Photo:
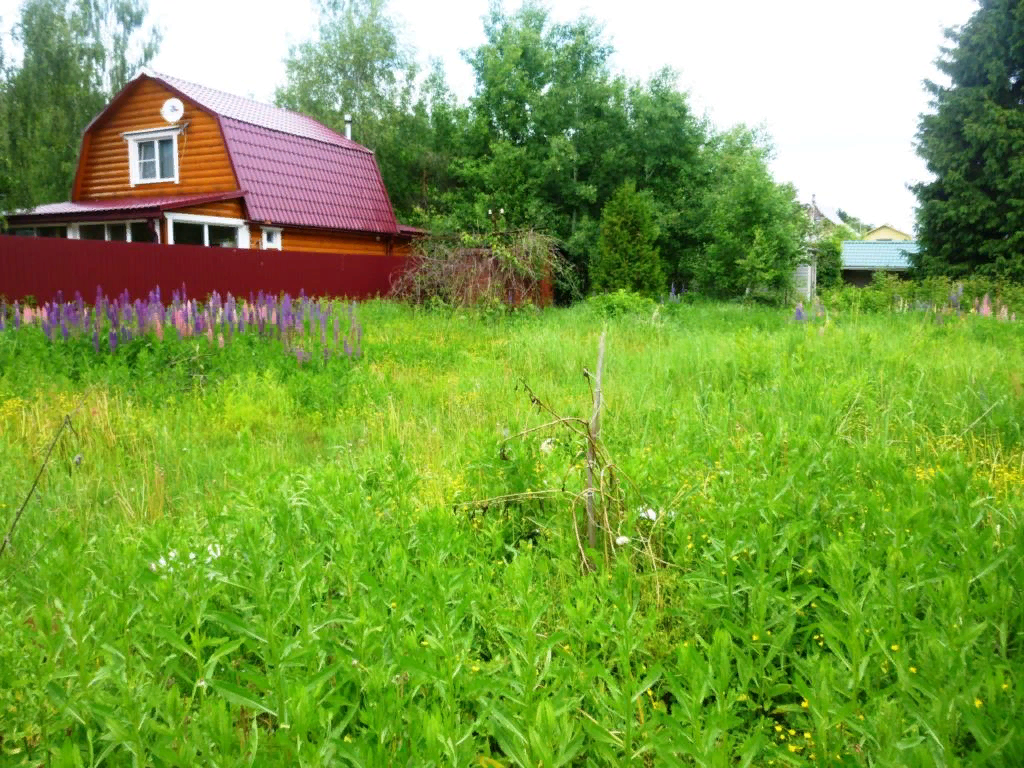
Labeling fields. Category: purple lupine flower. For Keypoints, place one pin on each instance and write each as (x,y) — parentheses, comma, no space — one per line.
(337,330)
(96,339)
(17,316)
(326,355)
(47,328)
(64,331)
(799,315)
(348,348)
(112,338)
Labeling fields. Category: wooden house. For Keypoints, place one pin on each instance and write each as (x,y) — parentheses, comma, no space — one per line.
(887,233)
(169,161)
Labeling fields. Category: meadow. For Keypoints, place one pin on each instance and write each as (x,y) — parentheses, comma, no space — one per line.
(261,553)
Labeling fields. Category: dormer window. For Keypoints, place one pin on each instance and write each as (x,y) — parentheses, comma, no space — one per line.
(153,156)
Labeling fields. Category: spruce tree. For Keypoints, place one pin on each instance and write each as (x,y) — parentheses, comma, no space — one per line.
(971,217)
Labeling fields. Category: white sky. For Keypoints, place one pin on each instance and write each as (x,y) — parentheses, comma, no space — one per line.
(838,85)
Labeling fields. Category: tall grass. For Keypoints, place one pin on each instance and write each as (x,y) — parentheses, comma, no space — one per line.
(838,538)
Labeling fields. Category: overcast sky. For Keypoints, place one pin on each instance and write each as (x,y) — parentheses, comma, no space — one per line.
(838,85)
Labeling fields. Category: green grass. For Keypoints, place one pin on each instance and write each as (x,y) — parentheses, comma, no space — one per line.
(839,533)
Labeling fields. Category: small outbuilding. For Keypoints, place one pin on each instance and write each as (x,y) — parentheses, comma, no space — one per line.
(862,258)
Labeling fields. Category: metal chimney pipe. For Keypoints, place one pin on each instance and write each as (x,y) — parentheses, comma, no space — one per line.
(348,127)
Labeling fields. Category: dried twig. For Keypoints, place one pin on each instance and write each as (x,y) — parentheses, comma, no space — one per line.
(65,424)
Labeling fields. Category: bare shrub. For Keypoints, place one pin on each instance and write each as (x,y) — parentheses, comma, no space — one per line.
(509,267)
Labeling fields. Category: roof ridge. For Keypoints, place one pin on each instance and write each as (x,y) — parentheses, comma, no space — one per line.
(164,76)
(242,109)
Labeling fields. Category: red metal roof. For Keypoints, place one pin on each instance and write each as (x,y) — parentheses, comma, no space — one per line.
(293,169)
(122,205)
(256,113)
(303,182)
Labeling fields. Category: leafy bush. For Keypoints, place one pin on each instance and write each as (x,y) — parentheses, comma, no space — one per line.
(888,292)
(621,302)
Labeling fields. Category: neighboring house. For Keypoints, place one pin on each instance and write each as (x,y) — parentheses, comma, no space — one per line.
(170,161)
(824,221)
(887,232)
(861,259)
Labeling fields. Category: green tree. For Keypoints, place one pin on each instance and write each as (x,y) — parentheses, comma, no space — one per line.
(356,65)
(627,257)
(75,56)
(971,216)
(828,252)
(359,65)
(756,227)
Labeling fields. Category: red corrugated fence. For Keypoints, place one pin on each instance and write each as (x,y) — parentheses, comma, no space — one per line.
(40,267)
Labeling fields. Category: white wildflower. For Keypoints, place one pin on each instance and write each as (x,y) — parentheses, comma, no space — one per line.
(548,445)
(192,556)
(152,567)
(172,554)
(162,562)
(648,514)
(622,541)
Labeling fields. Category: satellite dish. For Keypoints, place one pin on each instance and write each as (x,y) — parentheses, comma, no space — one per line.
(172,110)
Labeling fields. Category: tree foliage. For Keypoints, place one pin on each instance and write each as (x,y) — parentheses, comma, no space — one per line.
(971,216)
(358,65)
(75,56)
(756,227)
(627,257)
(548,141)
(828,251)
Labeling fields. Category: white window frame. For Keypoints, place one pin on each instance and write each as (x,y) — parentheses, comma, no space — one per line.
(36,227)
(265,244)
(134,138)
(240,225)
(74,233)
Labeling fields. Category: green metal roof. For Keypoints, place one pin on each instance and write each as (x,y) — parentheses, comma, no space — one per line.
(878,254)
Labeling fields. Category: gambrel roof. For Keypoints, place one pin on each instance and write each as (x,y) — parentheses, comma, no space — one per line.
(291,169)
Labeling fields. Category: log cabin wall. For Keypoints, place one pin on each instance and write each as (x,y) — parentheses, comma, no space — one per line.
(229,209)
(203,162)
(326,241)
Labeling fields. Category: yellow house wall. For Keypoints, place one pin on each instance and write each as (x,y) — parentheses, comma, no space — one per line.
(887,233)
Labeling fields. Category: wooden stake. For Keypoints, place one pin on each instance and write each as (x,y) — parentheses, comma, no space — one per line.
(595,433)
